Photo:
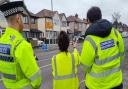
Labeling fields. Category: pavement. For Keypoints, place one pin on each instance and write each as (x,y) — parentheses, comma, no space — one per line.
(45,65)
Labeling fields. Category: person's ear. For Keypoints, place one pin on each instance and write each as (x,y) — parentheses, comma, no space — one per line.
(17,18)
(88,21)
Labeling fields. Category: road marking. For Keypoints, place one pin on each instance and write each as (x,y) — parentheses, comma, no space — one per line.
(43,60)
(45,66)
(47,59)
(82,81)
(0,79)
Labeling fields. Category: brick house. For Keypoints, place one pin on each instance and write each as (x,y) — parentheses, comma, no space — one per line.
(76,26)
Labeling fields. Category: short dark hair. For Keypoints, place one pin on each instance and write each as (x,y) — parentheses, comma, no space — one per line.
(94,14)
(63,41)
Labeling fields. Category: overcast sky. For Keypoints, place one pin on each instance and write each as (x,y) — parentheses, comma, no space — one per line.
(70,7)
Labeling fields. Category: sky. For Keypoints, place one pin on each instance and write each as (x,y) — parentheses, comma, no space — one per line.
(71,7)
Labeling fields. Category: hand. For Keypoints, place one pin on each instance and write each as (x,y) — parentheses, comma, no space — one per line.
(74,44)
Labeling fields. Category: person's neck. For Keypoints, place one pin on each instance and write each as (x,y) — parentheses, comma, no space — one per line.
(14,27)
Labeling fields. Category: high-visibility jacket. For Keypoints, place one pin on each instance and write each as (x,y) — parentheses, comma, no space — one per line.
(64,70)
(100,59)
(17,62)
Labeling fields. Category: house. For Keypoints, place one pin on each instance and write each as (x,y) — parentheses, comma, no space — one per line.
(124,27)
(76,26)
(30,26)
(63,20)
(3,23)
(34,32)
(86,26)
(30,29)
(56,25)
(120,26)
(49,24)
(26,30)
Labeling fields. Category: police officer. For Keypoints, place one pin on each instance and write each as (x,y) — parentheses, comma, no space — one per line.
(17,62)
(64,65)
(102,52)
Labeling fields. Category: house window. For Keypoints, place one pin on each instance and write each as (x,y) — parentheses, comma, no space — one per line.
(64,24)
(56,22)
(25,19)
(80,25)
(33,21)
(68,24)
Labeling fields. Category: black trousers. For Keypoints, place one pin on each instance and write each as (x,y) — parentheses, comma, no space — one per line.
(118,87)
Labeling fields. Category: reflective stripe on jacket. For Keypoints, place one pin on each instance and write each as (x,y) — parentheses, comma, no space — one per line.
(100,59)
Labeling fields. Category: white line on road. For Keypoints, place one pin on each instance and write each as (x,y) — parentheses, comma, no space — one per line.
(0,79)
(43,60)
(45,66)
(82,81)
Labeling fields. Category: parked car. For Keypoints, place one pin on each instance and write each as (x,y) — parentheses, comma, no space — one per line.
(124,34)
(35,42)
(40,43)
(79,39)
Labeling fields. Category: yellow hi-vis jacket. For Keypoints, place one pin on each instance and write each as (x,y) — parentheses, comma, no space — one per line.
(64,70)
(17,62)
(101,58)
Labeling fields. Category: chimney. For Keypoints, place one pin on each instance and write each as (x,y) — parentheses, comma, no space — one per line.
(76,15)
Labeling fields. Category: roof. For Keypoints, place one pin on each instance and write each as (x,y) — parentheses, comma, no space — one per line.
(46,13)
(69,31)
(26,12)
(32,14)
(85,21)
(61,15)
(71,18)
(74,19)
(79,20)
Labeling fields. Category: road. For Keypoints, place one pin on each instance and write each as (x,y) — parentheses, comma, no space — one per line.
(45,65)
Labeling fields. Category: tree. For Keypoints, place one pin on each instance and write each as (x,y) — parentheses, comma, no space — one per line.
(116,16)
(116,19)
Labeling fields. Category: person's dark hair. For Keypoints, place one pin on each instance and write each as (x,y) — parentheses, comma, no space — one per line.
(94,14)
(63,41)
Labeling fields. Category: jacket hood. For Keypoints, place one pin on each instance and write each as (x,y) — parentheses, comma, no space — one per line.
(101,28)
